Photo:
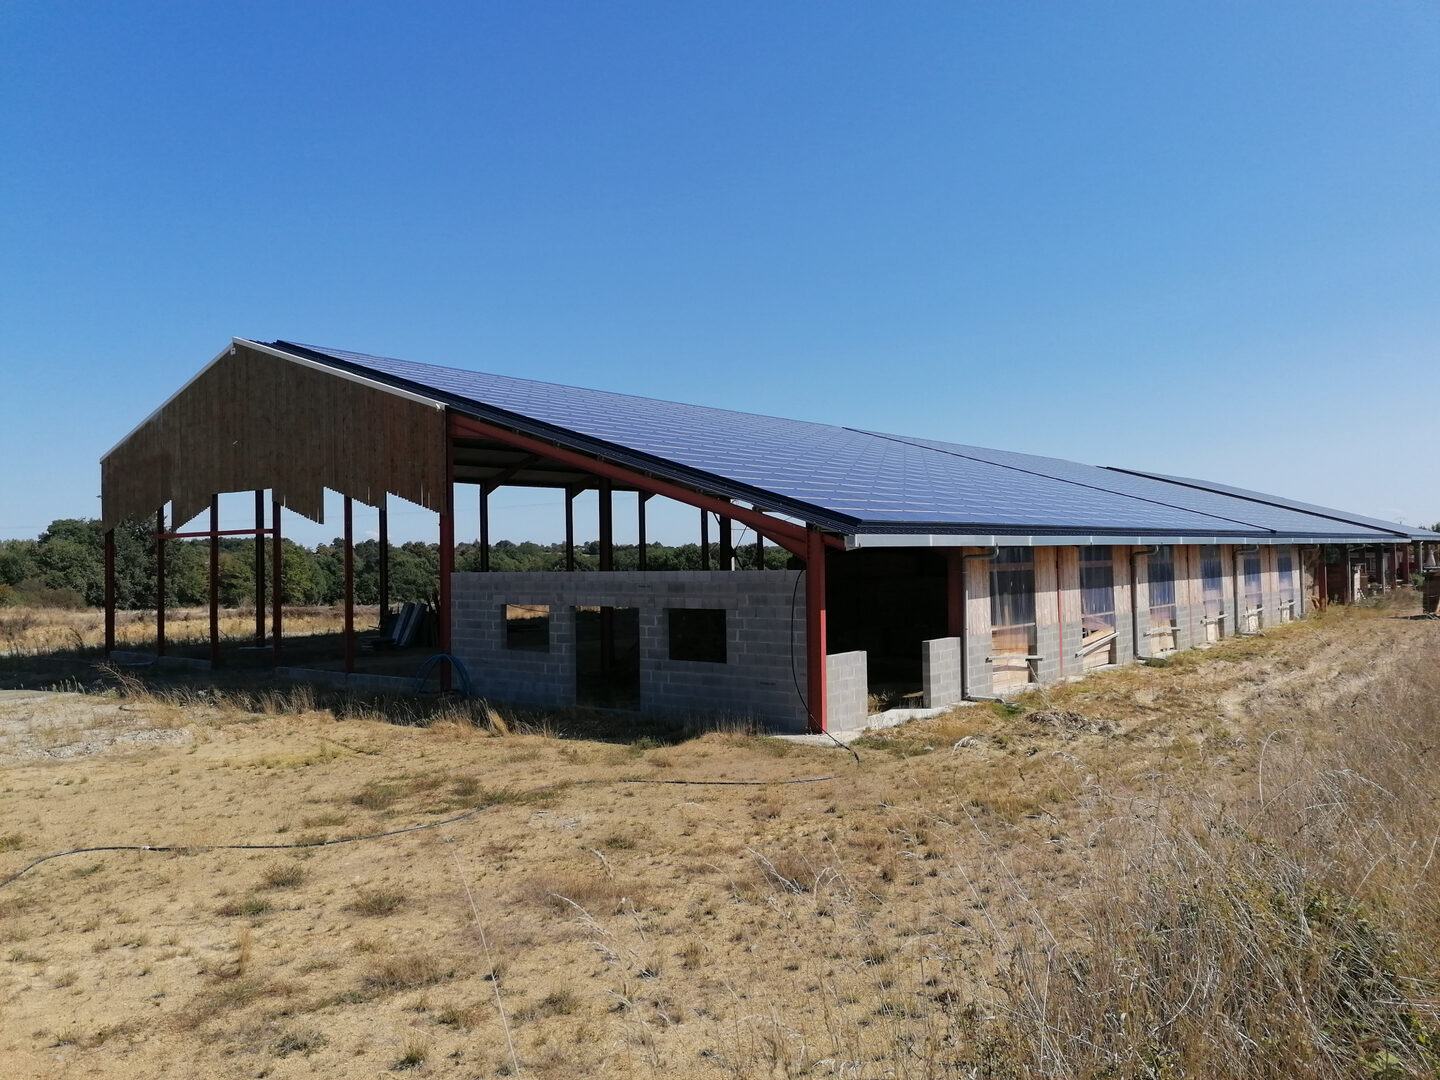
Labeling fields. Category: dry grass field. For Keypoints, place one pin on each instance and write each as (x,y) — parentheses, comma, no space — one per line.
(32,631)
(1223,867)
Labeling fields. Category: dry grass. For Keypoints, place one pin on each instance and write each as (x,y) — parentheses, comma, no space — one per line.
(1226,867)
(34,631)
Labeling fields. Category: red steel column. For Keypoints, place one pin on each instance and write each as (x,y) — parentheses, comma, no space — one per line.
(214,581)
(109,591)
(159,582)
(447,559)
(815,629)
(484,528)
(642,560)
(349,584)
(259,567)
(727,545)
(954,592)
(607,526)
(569,528)
(277,595)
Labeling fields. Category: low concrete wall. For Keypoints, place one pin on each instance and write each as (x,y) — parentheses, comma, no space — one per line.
(942,671)
(847,693)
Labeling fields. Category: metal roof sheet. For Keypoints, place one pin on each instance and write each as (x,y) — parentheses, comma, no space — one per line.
(849,480)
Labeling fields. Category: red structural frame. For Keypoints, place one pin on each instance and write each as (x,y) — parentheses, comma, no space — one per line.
(804,543)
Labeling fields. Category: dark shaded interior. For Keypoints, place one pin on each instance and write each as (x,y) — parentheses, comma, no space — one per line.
(887,602)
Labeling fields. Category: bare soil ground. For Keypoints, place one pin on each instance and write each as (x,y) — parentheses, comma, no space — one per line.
(583,924)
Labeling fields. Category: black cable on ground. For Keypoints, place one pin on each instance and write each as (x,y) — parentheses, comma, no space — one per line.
(193,849)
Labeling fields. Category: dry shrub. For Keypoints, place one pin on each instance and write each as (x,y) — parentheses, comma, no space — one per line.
(589,888)
(283,876)
(407,972)
(1293,934)
(378,902)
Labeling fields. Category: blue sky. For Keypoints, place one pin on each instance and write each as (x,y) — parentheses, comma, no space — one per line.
(1194,238)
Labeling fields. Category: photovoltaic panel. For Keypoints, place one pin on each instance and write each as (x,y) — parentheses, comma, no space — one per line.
(1294,504)
(851,480)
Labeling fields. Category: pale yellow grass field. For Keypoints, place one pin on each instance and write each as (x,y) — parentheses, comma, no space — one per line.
(871,925)
(27,631)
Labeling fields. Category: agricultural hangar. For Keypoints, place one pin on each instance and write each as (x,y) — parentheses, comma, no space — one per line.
(950,572)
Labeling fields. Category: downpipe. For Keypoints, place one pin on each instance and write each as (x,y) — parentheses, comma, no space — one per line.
(1152,549)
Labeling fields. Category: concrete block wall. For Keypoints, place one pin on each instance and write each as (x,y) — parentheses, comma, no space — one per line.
(846,691)
(758,679)
(978,669)
(1047,647)
(942,663)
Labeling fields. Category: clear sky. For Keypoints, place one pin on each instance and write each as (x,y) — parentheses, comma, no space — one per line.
(1195,238)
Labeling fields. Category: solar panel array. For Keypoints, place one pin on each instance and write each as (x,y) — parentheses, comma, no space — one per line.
(855,481)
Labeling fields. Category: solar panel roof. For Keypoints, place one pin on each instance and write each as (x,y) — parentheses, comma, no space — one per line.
(1277,500)
(848,480)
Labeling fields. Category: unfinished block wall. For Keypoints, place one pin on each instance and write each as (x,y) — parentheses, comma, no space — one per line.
(757,680)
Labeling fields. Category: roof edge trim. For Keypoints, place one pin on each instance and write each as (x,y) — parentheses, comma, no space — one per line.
(855,541)
(343,373)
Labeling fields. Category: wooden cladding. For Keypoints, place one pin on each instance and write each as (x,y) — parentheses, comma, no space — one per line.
(252,420)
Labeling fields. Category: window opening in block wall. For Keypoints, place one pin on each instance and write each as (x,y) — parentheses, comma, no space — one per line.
(1161,576)
(1012,616)
(697,634)
(1285,571)
(1097,606)
(527,627)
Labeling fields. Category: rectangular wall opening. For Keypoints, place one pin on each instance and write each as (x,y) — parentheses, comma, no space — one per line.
(1162,600)
(1012,618)
(527,627)
(1285,571)
(1097,606)
(697,634)
(1212,581)
(1253,592)
(607,657)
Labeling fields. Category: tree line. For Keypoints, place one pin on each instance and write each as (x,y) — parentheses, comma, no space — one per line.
(65,567)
